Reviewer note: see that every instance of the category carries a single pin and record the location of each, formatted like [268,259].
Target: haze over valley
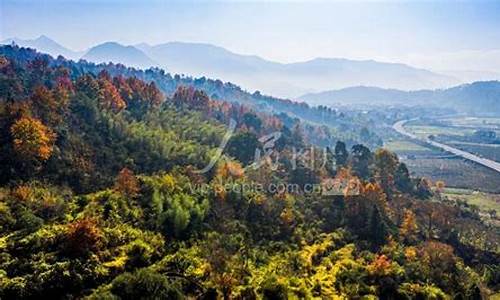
[249,150]
[288,80]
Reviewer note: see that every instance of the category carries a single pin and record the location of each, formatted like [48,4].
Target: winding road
[399,127]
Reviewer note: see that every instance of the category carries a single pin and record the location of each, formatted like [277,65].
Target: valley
[141,172]
[451,162]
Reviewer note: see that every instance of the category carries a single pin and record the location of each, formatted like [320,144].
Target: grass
[484,201]
[402,146]
[458,191]
[424,131]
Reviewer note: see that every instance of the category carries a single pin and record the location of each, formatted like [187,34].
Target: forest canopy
[102,196]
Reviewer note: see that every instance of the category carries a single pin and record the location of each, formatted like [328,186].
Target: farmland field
[426,161]
[456,172]
[426,130]
[474,122]
[438,165]
[404,146]
[484,201]
[490,151]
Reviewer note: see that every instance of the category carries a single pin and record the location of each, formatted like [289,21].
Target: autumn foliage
[109,96]
[83,236]
[408,229]
[31,139]
[83,226]
[127,183]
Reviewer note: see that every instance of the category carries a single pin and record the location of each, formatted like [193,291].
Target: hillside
[482,97]
[323,125]
[108,190]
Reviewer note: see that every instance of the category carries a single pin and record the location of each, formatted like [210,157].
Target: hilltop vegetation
[102,197]
[321,125]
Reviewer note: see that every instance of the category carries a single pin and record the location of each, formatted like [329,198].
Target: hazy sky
[430,34]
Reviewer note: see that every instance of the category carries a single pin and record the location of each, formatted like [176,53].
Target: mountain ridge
[257,73]
[475,97]
[46,45]
[118,53]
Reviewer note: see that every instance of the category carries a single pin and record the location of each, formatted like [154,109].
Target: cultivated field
[456,172]
[435,164]
[484,201]
[489,151]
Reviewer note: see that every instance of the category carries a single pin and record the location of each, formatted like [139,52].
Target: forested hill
[329,125]
[482,97]
[108,191]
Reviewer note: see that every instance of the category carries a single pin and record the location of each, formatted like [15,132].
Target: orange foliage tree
[46,106]
[230,169]
[83,236]
[408,229]
[31,139]
[109,96]
[127,183]
[440,185]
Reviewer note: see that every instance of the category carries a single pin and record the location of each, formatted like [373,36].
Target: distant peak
[110,44]
[43,37]
[143,45]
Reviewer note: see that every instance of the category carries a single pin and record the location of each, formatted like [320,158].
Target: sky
[442,35]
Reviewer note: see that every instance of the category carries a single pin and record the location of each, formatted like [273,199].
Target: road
[399,127]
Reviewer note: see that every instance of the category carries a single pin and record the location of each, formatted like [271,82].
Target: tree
[46,106]
[424,188]
[365,134]
[144,284]
[230,169]
[386,163]
[126,183]
[190,97]
[439,262]
[272,289]
[242,146]
[303,176]
[138,95]
[440,185]
[341,154]
[31,139]
[361,160]
[83,236]
[402,179]
[408,229]
[154,96]
[252,121]
[88,85]
[109,97]
[40,71]
[367,214]
[377,227]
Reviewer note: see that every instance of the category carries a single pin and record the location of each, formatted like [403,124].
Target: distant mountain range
[114,52]
[347,82]
[478,97]
[253,72]
[46,45]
